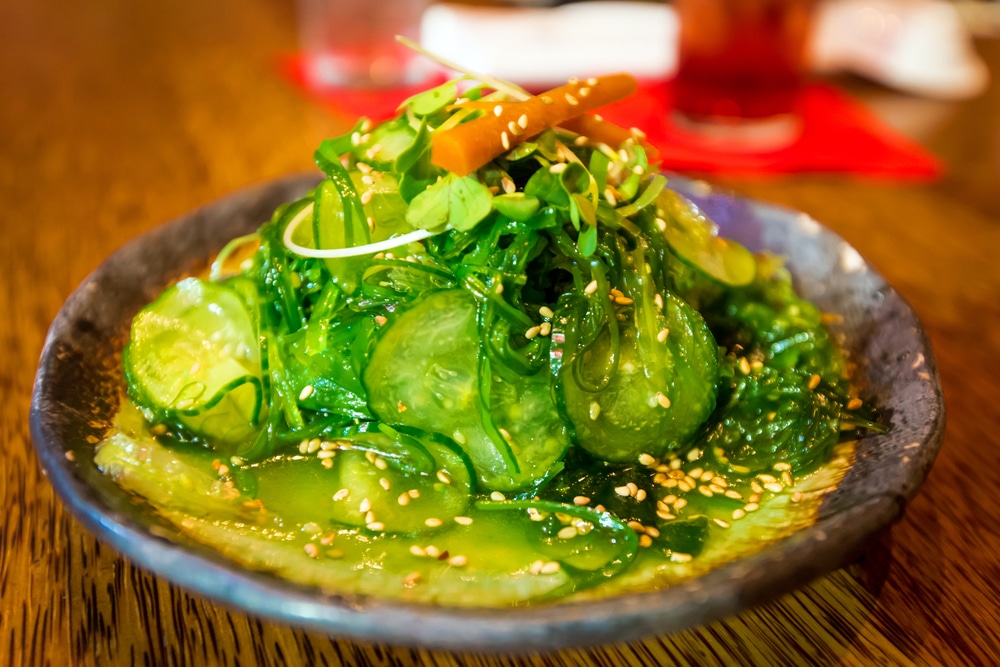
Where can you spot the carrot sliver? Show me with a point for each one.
(469, 146)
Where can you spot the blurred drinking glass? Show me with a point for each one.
(352, 43)
(740, 69)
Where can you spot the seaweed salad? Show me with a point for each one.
(491, 359)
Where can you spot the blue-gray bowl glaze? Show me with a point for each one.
(79, 379)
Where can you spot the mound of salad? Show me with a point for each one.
(491, 359)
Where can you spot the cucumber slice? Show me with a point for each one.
(696, 241)
(365, 486)
(651, 405)
(194, 359)
(424, 372)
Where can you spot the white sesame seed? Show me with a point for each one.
(312, 550)
(546, 312)
(313, 446)
(458, 561)
(417, 550)
(498, 111)
(595, 410)
(458, 437)
(504, 141)
(463, 520)
(433, 522)
(591, 287)
(774, 488)
(411, 579)
(662, 399)
(326, 454)
(326, 463)
(721, 523)
(515, 130)
(739, 514)
(414, 493)
(544, 329)
(443, 477)
(365, 505)
(550, 568)
(645, 541)
(646, 460)
(380, 463)
(751, 507)
(384, 483)
(572, 101)
(581, 500)
(786, 478)
(566, 533)
(662, 336)
(782, 466)
(680, 504)
(622, 491)
(342, 494)
(306, 392)
(403, 499)
(497, 496)
(376, 526)
(536, 567)
(797, 497)
(734, 494)
(681, 558)
(705, 491)
(531, 332)
(640, 495)
(558, 168)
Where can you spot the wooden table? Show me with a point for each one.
(116, 116)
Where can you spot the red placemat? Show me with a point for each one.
(839, 134)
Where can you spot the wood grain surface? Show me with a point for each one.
(117, 115)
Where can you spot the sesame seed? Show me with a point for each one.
(734, 494)
(384, 483)
(622, 491)
(623, 300)
(715, 488)
(380, 463)
(720, 481)
(413, 493)
(636, 526)
(572, 101)
(458, 561)
(647, 460)
(595, 410)
(546, 312)
(632, 488)
(566, 533)
(326, 454)
(403, 499)
(365, 505)
(580, 140)
(342, 494)
(326, 463)
(681, 558)
(545, 99)
(754, 497)
(609, 196)
(782, 466)
(515, 130)
(505, 434)
(721, 523)
(364, 168)
(645, 541)
(380, 320)
(417, 550)
(443, 477)
(504, 141)
(581, 500)
(640, 495)
(373, 151)
(312, 550)
(508, 185)
(684, 486)
(551, 567)
(680, 504)
(854, 404)
(433, 522)
(665, 515)
(739, 514)
(411, 579)
(705, 491)
(786, 478)
(774, 488)
(757, 488)
(814, 381)
(313, 445)
(662, 399)
(532, 332)
(706, 476)
(797, 497)
(558, 168)
(591, 287)
(376, 526)
(696, 473)
(751, 507)
(544, 329)
(327, 540)
(659, 478)
(744, 366)
(522, 121)
(498, 111)
(326, 445)
(463, 520)
(497, 496)
(536, 567)
(458, 437)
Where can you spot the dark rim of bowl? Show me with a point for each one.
(85, 340)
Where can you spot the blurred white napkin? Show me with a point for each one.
(918, 46)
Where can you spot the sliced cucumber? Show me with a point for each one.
(424, 372)
(696, 240)
(651, 405)
(193, 357)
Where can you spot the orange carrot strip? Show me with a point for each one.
(467, 147)
(605, 132)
